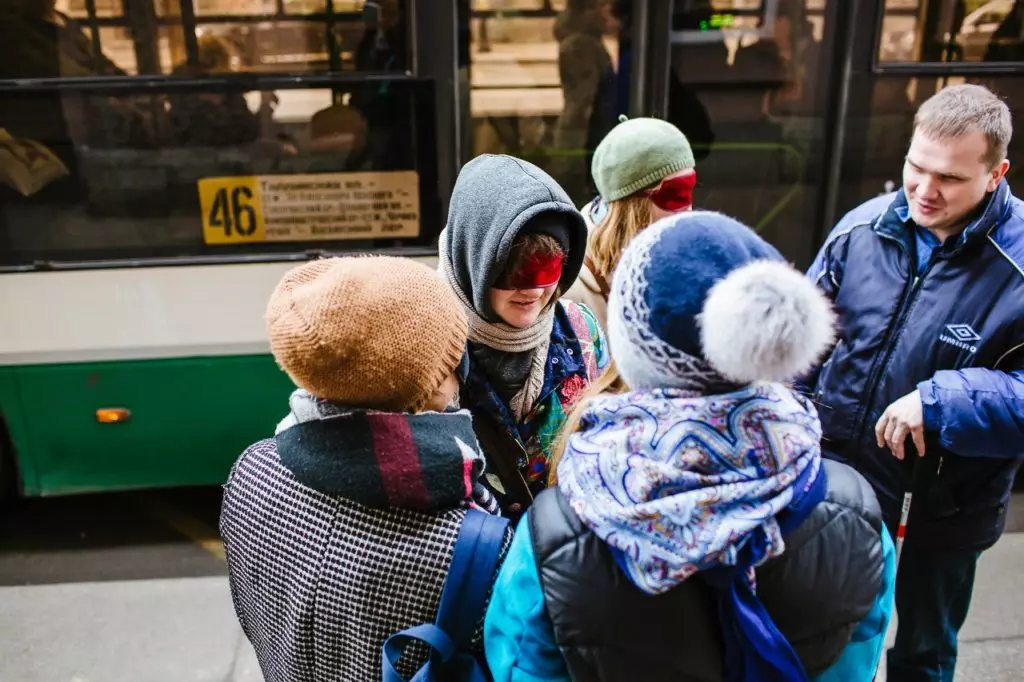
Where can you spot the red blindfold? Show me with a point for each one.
(535, 271)
(673, 194)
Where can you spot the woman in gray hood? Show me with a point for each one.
(513, 244)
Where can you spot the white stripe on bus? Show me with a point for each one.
(136, 313)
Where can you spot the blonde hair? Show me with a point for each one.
(609, 382)
(961, 109)
(625, 219)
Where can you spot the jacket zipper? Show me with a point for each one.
(909, 293)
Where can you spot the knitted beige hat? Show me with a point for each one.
(374, 332)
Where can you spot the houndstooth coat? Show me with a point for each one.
(319, 582)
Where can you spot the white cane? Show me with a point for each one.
(901, 532)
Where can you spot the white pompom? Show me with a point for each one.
(765, 321)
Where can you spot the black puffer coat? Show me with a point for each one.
(824, 584)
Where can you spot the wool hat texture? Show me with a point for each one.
(374, 332)
(637, 153)
(699, 293)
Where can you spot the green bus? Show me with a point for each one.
(164, 162)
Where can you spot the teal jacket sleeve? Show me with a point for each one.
(519, 640)
(860, 658)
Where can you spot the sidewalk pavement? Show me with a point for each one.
(177, 630)
(184, 630)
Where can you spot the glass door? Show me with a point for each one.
(901, 53)
(748, 83)
(547, 82)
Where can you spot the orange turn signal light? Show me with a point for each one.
(113, 415)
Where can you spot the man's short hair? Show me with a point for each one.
(960, 109)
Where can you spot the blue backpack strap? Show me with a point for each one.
(469, 579)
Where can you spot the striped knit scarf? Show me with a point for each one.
(427, 461)
(504, 337)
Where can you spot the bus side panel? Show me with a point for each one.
(190, 418)
(14, 419)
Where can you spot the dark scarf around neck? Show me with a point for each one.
(426, 461)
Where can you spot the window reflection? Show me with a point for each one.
(876, 166)
(261, 7)
(952, 30)
(151, 38)
(114, 176)
(79, 8)
(546, 82)
(236, 7)
(37, 41)
(745, 87)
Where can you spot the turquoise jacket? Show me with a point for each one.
(519, 638)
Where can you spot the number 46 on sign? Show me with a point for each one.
(232, 211)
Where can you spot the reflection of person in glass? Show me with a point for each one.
(382, 47)
(40, 42)
(685, 110)
(778, 63)
(799, 57)
(384, 106)
(588, 88)
(923, 390)
(212, 118)
(1007, 43)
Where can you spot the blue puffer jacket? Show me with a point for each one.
(950, 324)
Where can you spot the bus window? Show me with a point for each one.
(173, 169)
(747, 78)
(266, 36)
(79, 8)
(179, 174)
(545, 84)
(952, 30)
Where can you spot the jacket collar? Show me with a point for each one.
(897, 224)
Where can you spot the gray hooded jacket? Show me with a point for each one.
(494, 197)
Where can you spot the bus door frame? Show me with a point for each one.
(653, 40)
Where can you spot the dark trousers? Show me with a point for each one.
(933, 594)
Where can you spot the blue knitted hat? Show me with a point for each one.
(699, 296)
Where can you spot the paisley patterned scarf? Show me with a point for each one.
(677, 483)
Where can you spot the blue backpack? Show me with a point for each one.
(449, 637)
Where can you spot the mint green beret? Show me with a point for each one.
(638, 152)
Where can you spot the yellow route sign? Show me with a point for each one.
(310, 207)
(232, 210)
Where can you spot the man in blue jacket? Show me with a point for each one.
(928, 369)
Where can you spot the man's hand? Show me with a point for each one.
(903, 418)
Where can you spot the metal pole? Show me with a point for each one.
(838, 109)
(660, 48)
(94, 31)
(638, 68)
(188, 27)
